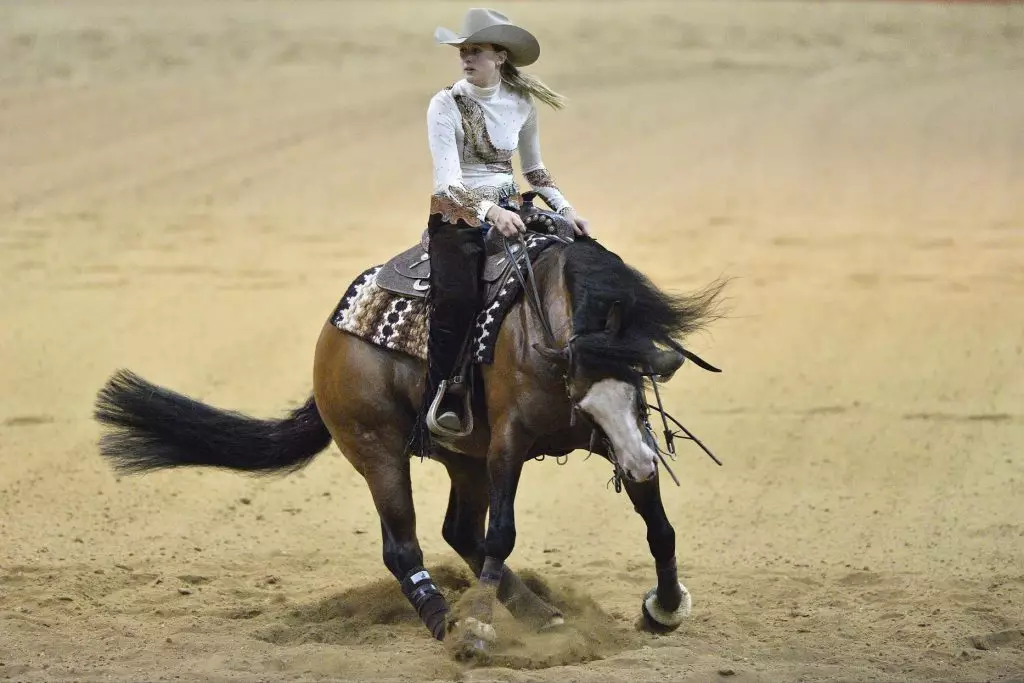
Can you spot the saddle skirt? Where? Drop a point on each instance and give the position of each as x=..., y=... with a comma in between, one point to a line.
x=387, y=306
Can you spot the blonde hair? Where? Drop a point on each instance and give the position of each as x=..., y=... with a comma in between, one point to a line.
x=530, y=86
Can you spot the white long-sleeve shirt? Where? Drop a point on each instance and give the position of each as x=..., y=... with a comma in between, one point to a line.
x=473, y=133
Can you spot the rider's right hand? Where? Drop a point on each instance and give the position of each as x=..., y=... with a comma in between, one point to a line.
x=507, y=222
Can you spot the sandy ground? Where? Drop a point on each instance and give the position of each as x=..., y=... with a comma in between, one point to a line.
x=188, y=188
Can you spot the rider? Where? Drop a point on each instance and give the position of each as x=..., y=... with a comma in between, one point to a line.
x=474, y=127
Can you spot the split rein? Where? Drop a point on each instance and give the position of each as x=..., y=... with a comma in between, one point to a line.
x=528, y=282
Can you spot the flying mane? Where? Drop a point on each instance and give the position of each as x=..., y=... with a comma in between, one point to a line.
x=597, y=278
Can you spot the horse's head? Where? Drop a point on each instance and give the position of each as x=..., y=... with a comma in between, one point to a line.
x=624, y=329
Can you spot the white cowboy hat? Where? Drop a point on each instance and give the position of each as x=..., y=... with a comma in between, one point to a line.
x=487, y=26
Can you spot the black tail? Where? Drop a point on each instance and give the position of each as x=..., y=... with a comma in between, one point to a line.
x=155, y=428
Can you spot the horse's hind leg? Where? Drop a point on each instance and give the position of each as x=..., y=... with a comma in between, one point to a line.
x=464, y=531
x=387, y=474
x=359, y=389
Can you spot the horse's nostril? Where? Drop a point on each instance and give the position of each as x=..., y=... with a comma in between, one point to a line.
x=642, y=472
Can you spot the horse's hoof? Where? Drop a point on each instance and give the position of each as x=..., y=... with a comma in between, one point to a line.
x=658, y=620
x=553, y=624
x=473, y=650
x=471, y=640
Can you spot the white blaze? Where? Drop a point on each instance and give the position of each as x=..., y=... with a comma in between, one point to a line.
x=612, y=403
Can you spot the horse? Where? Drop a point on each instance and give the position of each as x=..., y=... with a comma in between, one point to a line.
x=568, y=373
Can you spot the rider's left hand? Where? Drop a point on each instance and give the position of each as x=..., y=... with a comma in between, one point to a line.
x=579, y=224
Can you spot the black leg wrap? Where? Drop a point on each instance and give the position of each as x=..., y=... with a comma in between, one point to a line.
x=420, y=590
x=669, y=594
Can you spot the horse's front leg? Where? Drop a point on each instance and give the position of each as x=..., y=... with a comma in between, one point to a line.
x=504, y=466
x=465, y=527
x=667, y=604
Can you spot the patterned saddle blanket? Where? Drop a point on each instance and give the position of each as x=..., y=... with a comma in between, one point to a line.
x=390, y=310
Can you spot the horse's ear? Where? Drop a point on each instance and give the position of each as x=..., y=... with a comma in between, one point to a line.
x=614, y=323
x=554, y=355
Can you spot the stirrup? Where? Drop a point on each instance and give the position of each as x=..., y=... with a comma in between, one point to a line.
x=436, y=424
x=450, y=421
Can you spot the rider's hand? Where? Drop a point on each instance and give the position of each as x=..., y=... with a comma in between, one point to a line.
x=579, y=224
x=507, y=222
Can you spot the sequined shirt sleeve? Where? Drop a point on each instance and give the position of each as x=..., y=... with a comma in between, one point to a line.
x=451, y=198
x=536, y=174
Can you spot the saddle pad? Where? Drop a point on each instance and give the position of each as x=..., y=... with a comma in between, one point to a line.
x=400, y=323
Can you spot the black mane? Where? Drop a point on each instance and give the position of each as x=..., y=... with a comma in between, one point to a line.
x=597, y=278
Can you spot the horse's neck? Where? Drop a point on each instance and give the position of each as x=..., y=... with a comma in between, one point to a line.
x=554, y=294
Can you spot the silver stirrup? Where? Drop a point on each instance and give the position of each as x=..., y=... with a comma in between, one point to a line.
x=443, y=425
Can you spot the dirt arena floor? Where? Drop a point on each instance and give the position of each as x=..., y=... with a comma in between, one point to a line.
x=187, y=189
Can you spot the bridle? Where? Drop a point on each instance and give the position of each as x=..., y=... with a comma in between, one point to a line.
x=528, y=282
